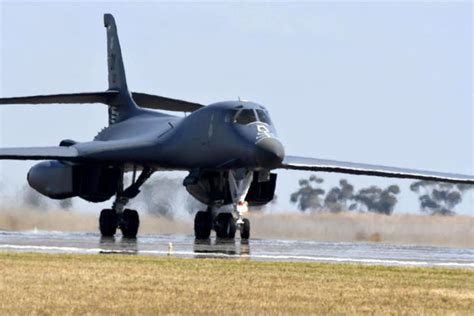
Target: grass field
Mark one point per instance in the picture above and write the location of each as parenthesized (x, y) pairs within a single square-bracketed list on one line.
[(118, 284)]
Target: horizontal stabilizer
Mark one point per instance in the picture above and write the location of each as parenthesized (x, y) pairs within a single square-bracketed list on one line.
[(68, 98), (39, 153), (161, 103), (107, 97), (323, 165)]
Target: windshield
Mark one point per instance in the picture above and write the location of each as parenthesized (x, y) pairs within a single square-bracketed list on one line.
[(264, 117), (245, 117)]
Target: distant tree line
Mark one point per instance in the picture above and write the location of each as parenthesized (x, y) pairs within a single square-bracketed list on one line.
[(165, 196), (434, 198), (439, 198)]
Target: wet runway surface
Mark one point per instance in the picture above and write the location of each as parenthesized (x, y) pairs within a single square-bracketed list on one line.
[(255, 249)]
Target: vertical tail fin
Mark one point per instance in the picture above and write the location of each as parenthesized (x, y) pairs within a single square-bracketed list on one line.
[(122, 106), (117, 79)]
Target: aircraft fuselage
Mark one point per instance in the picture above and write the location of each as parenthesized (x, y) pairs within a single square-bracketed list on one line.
[(170, 142)]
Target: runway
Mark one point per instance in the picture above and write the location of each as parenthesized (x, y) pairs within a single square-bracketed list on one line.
[(255, 249)]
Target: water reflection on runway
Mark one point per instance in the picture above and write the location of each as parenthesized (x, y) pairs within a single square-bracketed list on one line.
[(110, 245), (208, 248), (254, 249)]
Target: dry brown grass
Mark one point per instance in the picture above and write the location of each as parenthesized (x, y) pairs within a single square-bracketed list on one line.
[(454, 231), (60, 220), (117, 284)]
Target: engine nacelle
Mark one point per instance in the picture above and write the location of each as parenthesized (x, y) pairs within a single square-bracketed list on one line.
[(211, 187), (261, 193), (59, 180)]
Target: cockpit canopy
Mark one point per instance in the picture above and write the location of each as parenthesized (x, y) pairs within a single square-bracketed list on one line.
[(247, 116)]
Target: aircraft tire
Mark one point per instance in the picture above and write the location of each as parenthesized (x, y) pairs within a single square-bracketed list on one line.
[(225, 226), (130, 223), (245, 229), (202, 225), (108, 222)]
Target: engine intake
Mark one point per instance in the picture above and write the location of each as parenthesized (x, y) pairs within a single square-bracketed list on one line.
[(211, 187)]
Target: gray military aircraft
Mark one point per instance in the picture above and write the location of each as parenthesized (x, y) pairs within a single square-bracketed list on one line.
[(229, 149)]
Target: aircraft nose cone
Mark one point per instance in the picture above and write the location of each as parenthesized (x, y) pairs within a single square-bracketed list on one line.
[(270, 153)]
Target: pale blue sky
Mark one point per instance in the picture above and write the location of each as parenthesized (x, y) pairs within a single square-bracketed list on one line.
[(372, 82)]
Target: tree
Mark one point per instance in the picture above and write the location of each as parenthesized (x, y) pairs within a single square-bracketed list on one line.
[(336, 199), (439, 198), (372, 199), (376, 199), (309, 195)]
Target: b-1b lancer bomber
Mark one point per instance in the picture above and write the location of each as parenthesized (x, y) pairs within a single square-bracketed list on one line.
[(229, 149)]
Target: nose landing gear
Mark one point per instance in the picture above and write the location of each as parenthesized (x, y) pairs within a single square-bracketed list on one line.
[(243, 224), (245, 229), (239, 184)]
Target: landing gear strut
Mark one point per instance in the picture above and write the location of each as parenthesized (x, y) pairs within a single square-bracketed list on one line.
[(126, 219), (239, 184)]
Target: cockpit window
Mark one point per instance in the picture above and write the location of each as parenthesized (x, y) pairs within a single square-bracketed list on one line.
[(264, 117), (230, 116), (245, 117)]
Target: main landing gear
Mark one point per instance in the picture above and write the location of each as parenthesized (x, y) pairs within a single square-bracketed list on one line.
[(226, 224), (128, 224), (108, 222), (203, 224), (126, 220)]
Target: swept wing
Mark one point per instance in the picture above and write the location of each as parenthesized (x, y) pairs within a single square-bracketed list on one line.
[(324, 165)]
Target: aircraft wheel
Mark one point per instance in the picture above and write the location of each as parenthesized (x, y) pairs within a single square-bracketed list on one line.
[(202, 225), (245, 229), (129, 223), (108, 222), (225, 226)]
